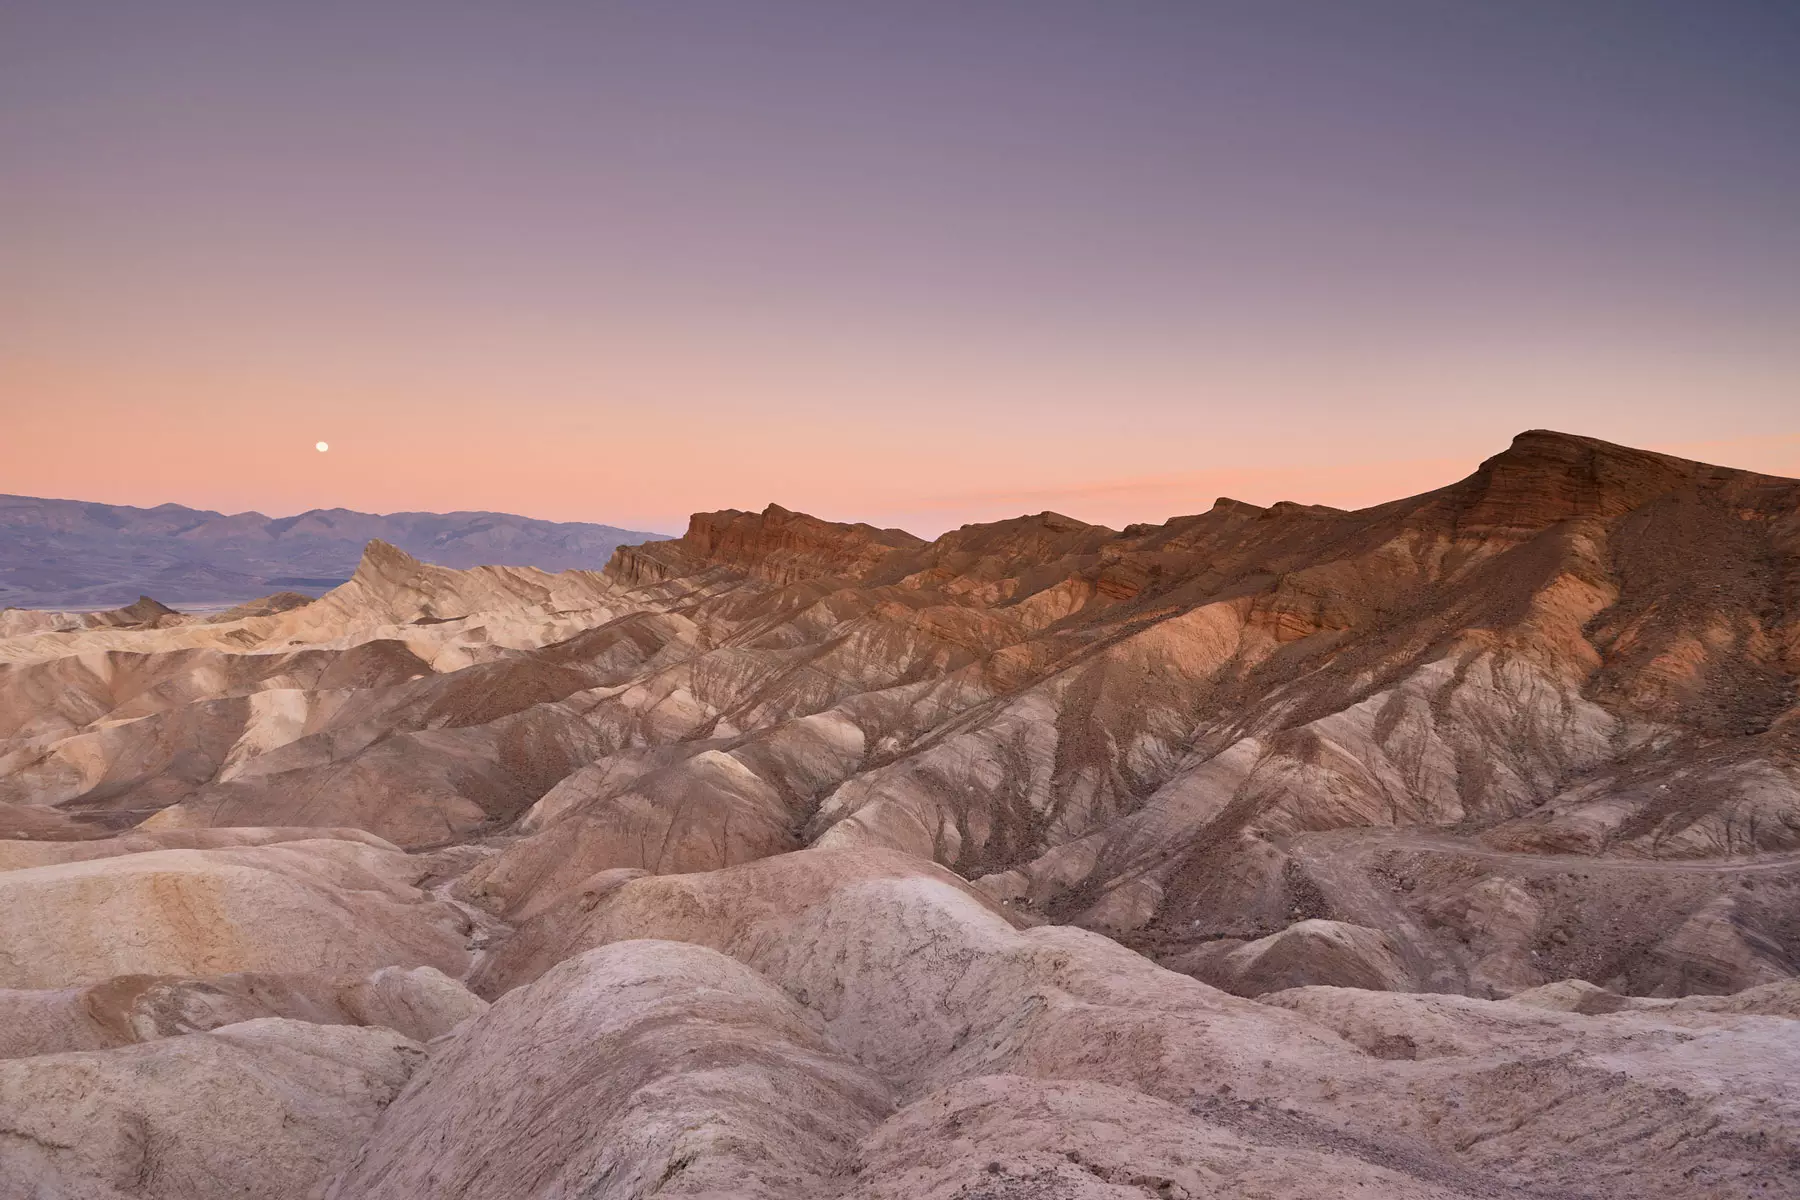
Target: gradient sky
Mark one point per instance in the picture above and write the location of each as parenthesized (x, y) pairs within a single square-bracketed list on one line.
[(918, 263)]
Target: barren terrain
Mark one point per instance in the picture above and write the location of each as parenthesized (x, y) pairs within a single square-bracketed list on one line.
[(1446, 848)]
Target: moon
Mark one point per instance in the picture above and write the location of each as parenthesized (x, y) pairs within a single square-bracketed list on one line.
[(321, 447)]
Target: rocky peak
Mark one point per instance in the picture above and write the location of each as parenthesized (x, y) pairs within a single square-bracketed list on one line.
[(1225, 505), (1545, 477), (1017, 543), (385, 566), (145, 610), (782, 546)]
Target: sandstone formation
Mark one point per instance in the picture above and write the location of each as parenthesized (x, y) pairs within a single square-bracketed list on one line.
[(1447, 848)]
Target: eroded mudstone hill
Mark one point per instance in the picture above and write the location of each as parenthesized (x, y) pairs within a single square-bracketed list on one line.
[(1282, 851)]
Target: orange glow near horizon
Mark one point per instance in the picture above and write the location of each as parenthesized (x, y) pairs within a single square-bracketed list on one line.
[(146, 437), (917, 265)]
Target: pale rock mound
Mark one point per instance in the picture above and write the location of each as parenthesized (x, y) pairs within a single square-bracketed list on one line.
[(1003, 1137), (928, 984), (323, 907), (266, 1110), (1579, 996), (420, 1003), (17, 855), (1306, 952), (143, 613), (645, 1067)]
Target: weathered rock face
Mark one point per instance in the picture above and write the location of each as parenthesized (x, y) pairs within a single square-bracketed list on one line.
[(1012, 1047), (418, 1002), (815, 860), (143, 613), (322, 907), (775, 546), (1306, 952), (268, 1109), (671, 1069)]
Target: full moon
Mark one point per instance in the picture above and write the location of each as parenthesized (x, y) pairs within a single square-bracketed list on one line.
[(321, 447)]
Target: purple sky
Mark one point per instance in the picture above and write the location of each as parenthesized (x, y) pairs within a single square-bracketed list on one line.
[(916, 263)]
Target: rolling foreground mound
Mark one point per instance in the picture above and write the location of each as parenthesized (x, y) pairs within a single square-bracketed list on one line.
[(1448, 848)]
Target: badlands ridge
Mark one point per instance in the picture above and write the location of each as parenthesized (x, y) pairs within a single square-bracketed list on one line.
[(1447, 848)]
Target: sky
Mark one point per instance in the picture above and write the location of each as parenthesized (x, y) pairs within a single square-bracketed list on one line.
[(905, 261)]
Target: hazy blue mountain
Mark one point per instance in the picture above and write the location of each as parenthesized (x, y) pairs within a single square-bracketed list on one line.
[(73, 554)]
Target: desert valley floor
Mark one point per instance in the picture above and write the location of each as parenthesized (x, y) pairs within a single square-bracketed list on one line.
[(1447, 848)]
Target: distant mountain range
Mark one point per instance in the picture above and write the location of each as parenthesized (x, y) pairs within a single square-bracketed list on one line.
[(73, 554)]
